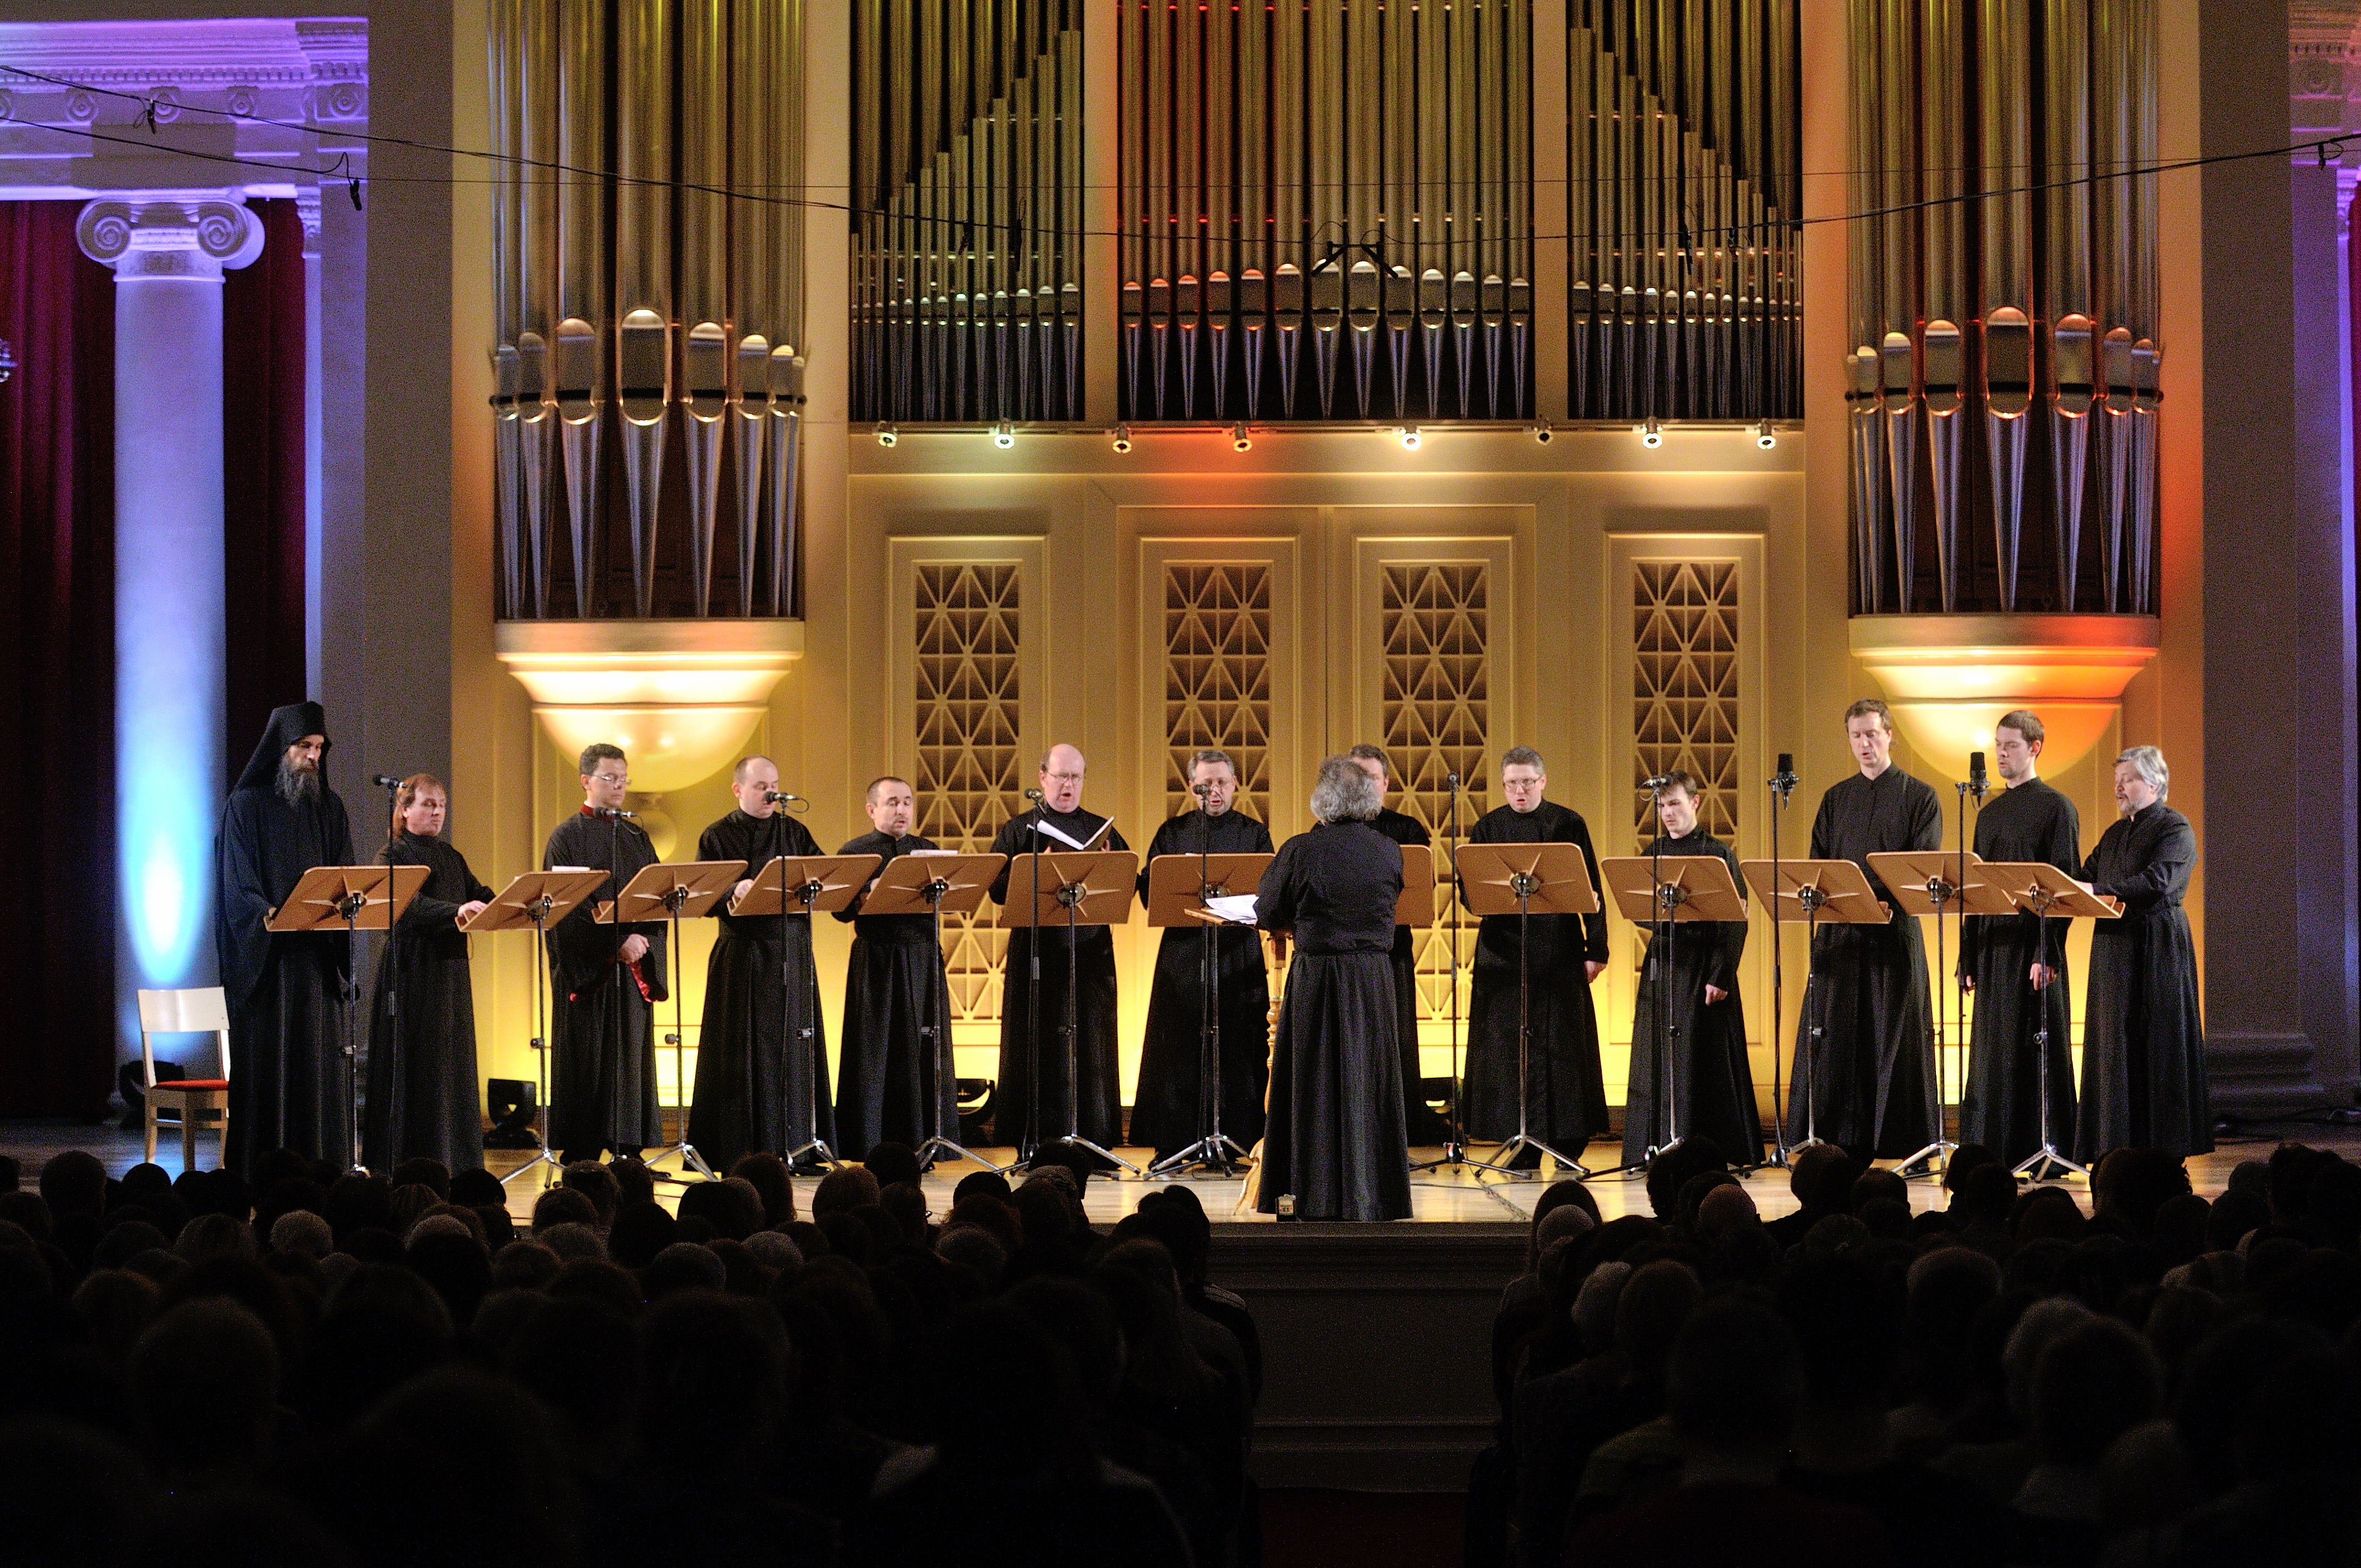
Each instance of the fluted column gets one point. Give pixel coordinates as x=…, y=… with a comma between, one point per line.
x=169, y=253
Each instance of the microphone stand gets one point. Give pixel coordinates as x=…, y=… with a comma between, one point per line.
x=392, y=787
x=1030, y=1143
x=1782, y=785
x=1668, y=1028
x=1455, y=1137
x=1216, y=1152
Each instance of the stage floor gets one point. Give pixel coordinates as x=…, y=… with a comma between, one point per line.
x=1461, y=1195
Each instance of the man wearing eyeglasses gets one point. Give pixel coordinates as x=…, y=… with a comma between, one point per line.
x=1057, y=825
x=604, y=980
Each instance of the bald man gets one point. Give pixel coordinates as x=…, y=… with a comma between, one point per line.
x=1057, y=825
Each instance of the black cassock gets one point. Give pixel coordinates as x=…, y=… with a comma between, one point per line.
x=1335, y=1141
x=1568, y=1096
x=2142, y=1023
x=895, y=1076
x=759, y=1087
x=1713, y=1083
x=289, y=1086
x=1870, y=1084
x=603, y=1071
x=2002, y=1106
x=1424, y=1126
x=1167, y=1111
x=422, y=1063
x=1092, y=956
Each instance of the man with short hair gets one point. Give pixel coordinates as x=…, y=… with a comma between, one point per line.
x=2018, y=979
x=761, y=1063
x=604, y=980
x=286, y=991
x=1168, y=1111
x=1057, y=825
x=895, y=1077
x=1564, y=1098
x=1424, y=1126
x=1870, y=1088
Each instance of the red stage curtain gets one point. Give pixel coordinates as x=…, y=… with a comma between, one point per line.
x=57, y=695
x=57, y=528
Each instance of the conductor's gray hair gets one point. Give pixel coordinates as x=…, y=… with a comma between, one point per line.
x=1346, y=793
x=2148, y=763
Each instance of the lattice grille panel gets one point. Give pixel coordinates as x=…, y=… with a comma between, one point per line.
x=1685, y=686
x=1436, y=621
x=970, y=776
x=1217, y=676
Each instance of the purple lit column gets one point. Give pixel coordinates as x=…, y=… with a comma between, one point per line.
x=169, y=253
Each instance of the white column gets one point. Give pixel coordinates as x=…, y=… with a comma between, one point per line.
x=168, y=255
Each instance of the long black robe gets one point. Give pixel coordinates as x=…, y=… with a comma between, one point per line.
x=1567, y=1105
x=422, y=1063
x=1713, y=1083
x=290, y=1083
x=1091, y=958
x=1870, y=1087
x=1335, y=1142
x=2143, y=1022
x=895, y=1076
x=761, y=1087
x=602, y=1069
x=1423, y=1125
x=1169, y=1112
x=2002, y=1106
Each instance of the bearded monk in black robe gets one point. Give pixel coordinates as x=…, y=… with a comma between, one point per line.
x=2144, y=1022
x=2016, y=974
x=1424, y=1124
x=605, y=981
x=1696, y=963
x=1567, y=1093
x=1057, y=824
x=1169, y=1113
x=1334, y=1145
x=289, y=1084
x=896, y=1081
x=1871, y=1088
x=761, y=1066
x=421, y=1066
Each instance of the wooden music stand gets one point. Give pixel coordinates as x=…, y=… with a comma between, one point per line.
x=1077, y=888
x=1938, y=882
x=358, y=898
x=1525, y=880
x=788, y=886
x=928, y=883
x=672, y=893
x=1415, y=907
x=534, y=902
x=1178, y=886
x=1814, y=891
x=2041, y=889
x=1692, y=888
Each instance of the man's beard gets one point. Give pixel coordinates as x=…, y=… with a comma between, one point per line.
x=296, y=785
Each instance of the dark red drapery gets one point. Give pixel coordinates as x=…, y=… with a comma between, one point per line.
x=57, y=546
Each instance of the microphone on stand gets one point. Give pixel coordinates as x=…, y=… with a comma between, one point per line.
x=1657, y=782
x=1977, y=783
x=1033, y=795
x=1201, y=790
x=616, y=811
x=1784, y=779
x=385, y=781
x=1450, y=780
x=780, y=798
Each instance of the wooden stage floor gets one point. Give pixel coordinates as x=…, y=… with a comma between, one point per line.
x=1463, y=1195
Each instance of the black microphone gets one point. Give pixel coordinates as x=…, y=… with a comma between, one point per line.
x=1201, y=790
x=385, y=781
x=1450, y=780
x=1659, y=781
x=778, y=797
x=1033, y=795
x=617, y=811
x=1977, y=782
x=1786, y=765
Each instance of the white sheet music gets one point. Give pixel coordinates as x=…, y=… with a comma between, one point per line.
x=1235, y=908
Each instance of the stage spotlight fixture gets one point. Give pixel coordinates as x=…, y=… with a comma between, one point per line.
x=1122, y=438
x=1543, y=433
x=1003, y=434
x=1239, y=439
x=887, y=436
x=1409, y=438
x=1652, y=433
x=1765, y=436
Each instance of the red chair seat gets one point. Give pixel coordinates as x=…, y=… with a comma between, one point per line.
x=215, y=1084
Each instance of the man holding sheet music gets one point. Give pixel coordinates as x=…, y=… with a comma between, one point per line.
x=1057, y=825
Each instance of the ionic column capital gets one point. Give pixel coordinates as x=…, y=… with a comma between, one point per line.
x=167, y=237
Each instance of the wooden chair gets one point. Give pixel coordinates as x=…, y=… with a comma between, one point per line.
x=192, y=1099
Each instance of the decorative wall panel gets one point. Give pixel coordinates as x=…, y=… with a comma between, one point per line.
x=1217, y=673
x=1685, y=687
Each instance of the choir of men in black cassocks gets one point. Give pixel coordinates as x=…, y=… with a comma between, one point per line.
x=604, y=980
x=1169, y=1112
x=2016, y=970
x=894, y=1080
x=286, y=989
x=760, y=1073
x=1565, y=1105
x=1870, y=1085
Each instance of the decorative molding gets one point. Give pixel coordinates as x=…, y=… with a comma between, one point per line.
x=197, y=236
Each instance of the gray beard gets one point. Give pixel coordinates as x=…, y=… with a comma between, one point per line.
x=297, y=785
